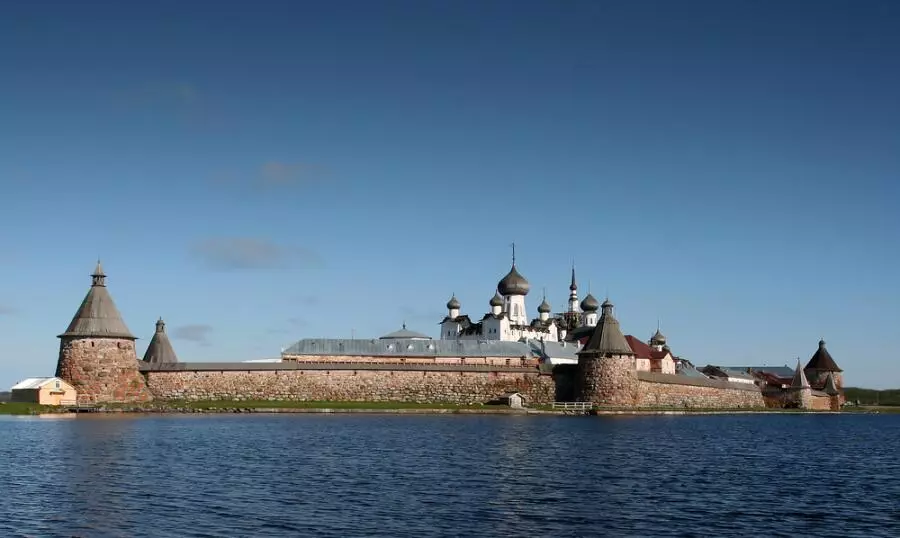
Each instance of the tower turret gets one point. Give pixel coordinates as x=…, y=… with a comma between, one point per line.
x=544, y=309
x=514, y=288
x=160, y=350
x=573, y=293
x=453, y=306
x=820, y=365
x=96, y=352
x=801, y=392
x=496, y=304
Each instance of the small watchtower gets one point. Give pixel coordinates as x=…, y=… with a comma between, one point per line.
x=160, y=350
x=96, y=352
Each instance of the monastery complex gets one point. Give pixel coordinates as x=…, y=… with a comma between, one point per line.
x=579, y=354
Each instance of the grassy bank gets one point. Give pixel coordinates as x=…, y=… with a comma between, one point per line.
x=18, y=408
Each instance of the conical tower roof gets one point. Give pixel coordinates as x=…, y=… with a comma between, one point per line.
x=160, y=349
x=799, y=381
x=98, y=316
x=821, y=360
x=607, y=337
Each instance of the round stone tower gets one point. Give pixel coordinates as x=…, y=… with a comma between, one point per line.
x=607, y=374
x=96, y=353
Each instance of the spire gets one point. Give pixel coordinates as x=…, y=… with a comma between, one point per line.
x=573, y=286
x=607, y=337
x=404, y=325
x=160, y=349
x=98, y=316
x=97, y=277
x=799, y=381
x=513, y=245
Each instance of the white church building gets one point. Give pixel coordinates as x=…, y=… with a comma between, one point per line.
x=507, y=319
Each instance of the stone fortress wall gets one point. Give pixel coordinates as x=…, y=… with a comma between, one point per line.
x=666, y=390
x=360, y=382
x=423, y=383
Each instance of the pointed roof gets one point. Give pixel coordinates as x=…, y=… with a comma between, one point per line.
x=799, y=381
x=821, y=360
x=607, y=336
x=573, y=286
x=98, y=316
x=160, y=348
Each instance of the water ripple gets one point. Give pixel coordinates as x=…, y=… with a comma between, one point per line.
x=345, y=475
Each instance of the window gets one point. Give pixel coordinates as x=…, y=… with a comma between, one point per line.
x=57, y=384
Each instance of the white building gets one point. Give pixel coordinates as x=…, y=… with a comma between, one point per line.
x=508, y=320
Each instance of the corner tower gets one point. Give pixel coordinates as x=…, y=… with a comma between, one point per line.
x=96, y=353
x=606, y=369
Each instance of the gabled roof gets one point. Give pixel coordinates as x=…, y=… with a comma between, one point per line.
x=160, y=349
x=36, y=383
x=640, y=349
x=98, y=316
x=607, y=337
x=821, y=360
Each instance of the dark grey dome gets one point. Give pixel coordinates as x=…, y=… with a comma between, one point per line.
x=544, y=307
x=590, y=304
x=658, y=337
x=497, y=299
x=513, y=283
x=453, y=303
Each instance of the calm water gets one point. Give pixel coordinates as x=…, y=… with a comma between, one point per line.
x=393, y=475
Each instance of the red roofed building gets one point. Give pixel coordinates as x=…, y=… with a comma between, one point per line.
x=650, y=359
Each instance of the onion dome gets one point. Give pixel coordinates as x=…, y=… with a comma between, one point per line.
x=658, y=337
x=497, y=299
x=544, y=307
x=513, y=283
x=590, y=304
x=453, y=303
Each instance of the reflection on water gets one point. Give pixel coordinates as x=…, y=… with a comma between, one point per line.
x=395, y=475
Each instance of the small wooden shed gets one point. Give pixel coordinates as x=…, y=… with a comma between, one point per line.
x=515, y=400
x=44, y=391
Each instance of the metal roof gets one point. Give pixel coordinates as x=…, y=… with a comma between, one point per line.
x=160, y=349
x=554, y=350
x=326, y=366
x=98, y=316
x=35, y=383
x=408, y=348
x=405, y=333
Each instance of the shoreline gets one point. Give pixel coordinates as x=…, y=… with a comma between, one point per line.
x=387, y=410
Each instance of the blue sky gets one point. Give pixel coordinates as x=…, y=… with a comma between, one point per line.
x=268, y=171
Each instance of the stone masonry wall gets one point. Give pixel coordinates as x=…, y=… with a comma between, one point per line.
x=102, y=370
x=607, y=380
x=349, y=385
x=655, y=394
